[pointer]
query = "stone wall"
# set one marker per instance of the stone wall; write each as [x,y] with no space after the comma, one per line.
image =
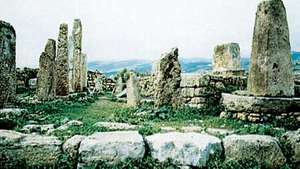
[205,90]
[199,90]
[23,77]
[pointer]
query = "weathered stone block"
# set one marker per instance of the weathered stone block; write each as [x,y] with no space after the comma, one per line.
[263,149]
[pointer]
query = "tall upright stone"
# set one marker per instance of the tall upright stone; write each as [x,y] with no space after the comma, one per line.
[7,64]
[71,63]
[62,65]
[227,57]
[271,72]
[77,59]
[167,80]
[133,93]
[46,86]
[84,70]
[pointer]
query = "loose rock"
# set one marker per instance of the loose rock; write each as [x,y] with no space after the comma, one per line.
[263,149]
[186,149]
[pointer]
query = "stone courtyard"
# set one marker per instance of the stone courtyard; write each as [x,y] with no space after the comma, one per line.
[63,115]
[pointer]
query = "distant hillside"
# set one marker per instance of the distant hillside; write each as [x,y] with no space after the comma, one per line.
[188,65]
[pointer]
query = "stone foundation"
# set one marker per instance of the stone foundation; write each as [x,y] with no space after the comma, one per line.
[205,90]
[260,109]
[199,90]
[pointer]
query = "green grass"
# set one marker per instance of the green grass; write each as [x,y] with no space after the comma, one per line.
[94,109]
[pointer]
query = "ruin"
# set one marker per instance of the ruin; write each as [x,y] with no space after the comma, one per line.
[7,64]
[167,80]
[46,87]
[83,70]
[133,93]
[226,60]
[270,84]
[271,71]
[77,55]
[71,63]
[62,65]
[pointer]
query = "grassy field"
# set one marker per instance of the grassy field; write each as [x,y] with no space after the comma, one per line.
[90,110]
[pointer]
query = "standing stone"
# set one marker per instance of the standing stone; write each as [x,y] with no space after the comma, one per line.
[7,63]
[62,65]
[83,70]
[167,80]
[133,93]
[77,58]
[46,75]
[227,57]
[119,85]
[271,72]
[71,63]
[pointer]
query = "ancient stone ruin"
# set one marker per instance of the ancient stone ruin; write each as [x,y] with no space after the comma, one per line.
[47,71]
[168,78]
[71,63]
[83,70]
[271,72]
[62,65]
[7,64]
[270,83]
[226,59]
[77,55]
[133,93]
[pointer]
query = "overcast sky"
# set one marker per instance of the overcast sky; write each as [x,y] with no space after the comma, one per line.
[139,29]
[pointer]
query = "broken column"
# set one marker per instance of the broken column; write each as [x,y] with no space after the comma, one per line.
[271,72]
[7,64]
[167,80]
[46,75]
[77,57]
[133,93]
[62,65]
[226,59]
[83,70]
[71,63]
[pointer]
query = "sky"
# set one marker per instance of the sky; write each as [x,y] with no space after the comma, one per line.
[139,29]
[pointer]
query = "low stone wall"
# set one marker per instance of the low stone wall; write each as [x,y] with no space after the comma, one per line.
[198,90]
[205,90]
[260,109]
[183,149]
[24,76]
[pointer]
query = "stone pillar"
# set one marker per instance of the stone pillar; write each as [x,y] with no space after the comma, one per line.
[84,71]
[77,57]
[46,75]
[71,63]
[119,85]
[7,64]
[62,65]
[227,57]
[133,93]
[271,72]
[167,80]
